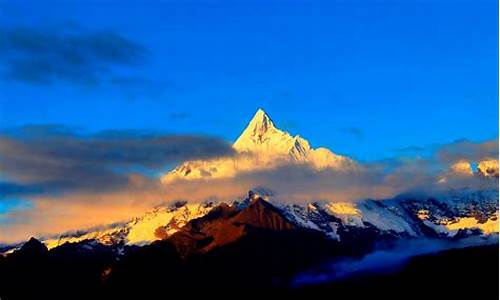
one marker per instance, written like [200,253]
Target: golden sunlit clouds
[289,184]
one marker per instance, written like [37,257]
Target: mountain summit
[262,146]
[260,131]
[262,136]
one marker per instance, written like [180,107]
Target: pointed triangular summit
[260,129]
[260,115]
[260,124]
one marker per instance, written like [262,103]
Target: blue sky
[364,78]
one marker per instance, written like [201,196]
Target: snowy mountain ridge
[456,212]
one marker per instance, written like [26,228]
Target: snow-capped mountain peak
[260,129]
[262,146]
[262,136]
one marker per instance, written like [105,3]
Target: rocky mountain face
[226,224]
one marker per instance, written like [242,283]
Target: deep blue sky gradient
[364,78]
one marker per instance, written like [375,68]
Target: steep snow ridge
[261,146]
[454,210]
[329,217]
[447,214]
[312,216]
[163,222]
[376,213]
[348,212]
[108,236]
[141,230]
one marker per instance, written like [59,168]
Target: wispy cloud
[46,56]
[469,150]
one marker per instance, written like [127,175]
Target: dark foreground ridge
[235,251]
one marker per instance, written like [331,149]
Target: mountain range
[179,242]
[252,244]
[263,146]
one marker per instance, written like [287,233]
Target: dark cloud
[468,150]
[56,158]
[354,131]
[45,56]
[8,189]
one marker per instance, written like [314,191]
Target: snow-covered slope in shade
[332,218]
[453,212]
[376,213]
[450,212]
[261,146]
